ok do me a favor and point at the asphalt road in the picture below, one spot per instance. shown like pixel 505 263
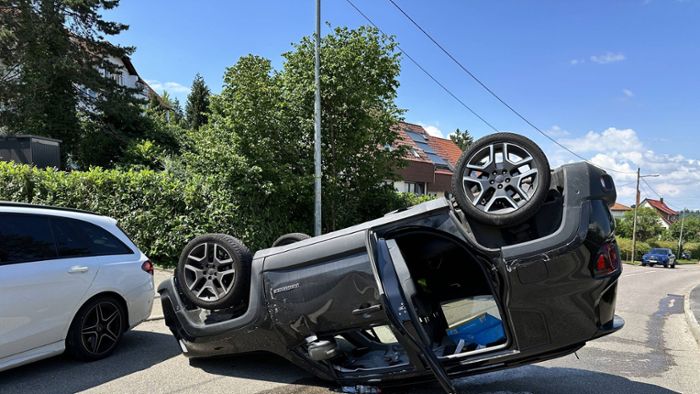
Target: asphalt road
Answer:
pixel 654 353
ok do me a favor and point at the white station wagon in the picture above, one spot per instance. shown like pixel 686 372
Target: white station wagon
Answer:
pixel 69 281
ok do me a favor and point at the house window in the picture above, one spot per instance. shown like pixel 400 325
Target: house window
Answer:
pixel 415 187
pixel 118 78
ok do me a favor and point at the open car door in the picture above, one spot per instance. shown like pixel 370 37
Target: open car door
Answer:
pixel 400 293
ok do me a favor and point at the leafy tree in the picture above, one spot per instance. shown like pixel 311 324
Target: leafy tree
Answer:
pixel 462 138
pixel 359 71
pixel 57 70
pixel 648 226
pixel 691 229
pixel 197 107
pixel 258 142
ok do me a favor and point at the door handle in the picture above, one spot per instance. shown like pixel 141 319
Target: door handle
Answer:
pixel 77 269
pixel 369 309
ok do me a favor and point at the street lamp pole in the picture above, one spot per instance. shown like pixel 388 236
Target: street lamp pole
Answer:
pixel 680 238
pixel 634 221
pixel 317 124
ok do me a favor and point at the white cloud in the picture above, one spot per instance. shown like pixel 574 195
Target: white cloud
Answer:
pixel 556 131
pixel 628 93
pixel 608 57
pixel 624 140
pixel 433 130
pixel 622 150
pixel 574 62
pixel 170 87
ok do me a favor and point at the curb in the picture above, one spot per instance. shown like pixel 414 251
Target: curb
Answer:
pixel 690 316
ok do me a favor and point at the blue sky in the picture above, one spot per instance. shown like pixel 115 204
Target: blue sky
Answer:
pixel 617 81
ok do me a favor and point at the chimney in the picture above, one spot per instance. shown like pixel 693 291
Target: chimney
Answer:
pixel 661 199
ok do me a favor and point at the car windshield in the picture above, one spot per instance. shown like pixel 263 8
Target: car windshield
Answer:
pixel 660 251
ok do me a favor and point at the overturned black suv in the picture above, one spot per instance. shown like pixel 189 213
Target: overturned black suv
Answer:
pixel 519 266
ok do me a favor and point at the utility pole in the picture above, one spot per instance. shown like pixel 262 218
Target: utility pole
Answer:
pixel 680 238
pixel 317 124
pixel 636 206
pixel 634 222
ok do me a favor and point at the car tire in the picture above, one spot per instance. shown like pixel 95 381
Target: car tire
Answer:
pixel 288 239
pixel 673 265
pixel 214 271
pixel 644 264
pixel 96 329
pixel 666 265
pixel 493 192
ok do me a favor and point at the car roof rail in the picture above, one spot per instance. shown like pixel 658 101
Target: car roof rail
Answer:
pixel 39 206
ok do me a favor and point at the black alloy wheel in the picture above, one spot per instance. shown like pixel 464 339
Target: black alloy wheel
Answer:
pixel 96 329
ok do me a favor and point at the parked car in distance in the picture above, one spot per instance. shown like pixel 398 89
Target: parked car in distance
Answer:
pixel 69 281
pixel 662 256
pixel 686 255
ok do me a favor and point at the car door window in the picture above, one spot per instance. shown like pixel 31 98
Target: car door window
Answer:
pixel 76 238
pixel 25 238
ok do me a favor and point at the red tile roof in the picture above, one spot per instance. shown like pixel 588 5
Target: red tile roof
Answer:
pixel 620 207
pixel 661 206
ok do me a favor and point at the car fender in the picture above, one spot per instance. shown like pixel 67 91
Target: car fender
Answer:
pixel 128 281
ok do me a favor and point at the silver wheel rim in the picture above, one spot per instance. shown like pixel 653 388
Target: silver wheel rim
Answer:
pixel 500 178
pixel 209 272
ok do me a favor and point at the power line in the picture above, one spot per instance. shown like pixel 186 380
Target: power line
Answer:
pixel 414 61
pixel 490 91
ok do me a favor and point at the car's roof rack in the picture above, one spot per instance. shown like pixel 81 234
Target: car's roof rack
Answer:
pixel 28 205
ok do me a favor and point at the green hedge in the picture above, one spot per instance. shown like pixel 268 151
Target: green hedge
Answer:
pixel 626 248
pixel 644 246
pixel 160 213
pixel 694 249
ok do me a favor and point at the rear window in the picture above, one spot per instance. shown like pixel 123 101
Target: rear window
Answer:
pixel 76 238
pixel 25 238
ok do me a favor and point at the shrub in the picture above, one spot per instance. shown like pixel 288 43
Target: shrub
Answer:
pixel 664 244
pixel 693 248
pixel 160 214
pixel 625 245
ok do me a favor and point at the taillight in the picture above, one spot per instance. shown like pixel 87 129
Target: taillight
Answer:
pixel 147 266
pixel 607 260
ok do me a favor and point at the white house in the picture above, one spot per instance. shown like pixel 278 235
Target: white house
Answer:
pixel 128 77
pixel 666 215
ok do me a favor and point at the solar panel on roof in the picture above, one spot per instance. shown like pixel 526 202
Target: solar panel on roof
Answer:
pixel 416 136
pixel 425 147
pixel 438 160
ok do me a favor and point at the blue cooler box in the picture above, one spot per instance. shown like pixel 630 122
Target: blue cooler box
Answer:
pixel 481 330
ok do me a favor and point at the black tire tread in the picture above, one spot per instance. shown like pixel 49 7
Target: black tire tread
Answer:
pixel 290 238
pixel 242 258
pixel 518 216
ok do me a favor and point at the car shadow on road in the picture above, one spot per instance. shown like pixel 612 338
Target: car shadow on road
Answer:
pixel 526 379
pixel 138 351
pixel 544 380
pixel 259 366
